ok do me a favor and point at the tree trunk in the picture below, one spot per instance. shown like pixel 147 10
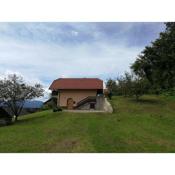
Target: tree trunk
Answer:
pixel 16 118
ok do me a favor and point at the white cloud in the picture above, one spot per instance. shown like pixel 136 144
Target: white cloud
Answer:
pixel 74 33
pixel 50 61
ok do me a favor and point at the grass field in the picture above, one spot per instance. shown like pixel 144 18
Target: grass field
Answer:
pixel 144 126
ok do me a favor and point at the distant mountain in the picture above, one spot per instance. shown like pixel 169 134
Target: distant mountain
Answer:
pixel 33 104
pixel 29 104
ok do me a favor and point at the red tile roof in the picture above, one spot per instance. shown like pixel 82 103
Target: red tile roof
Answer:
pixel 77 83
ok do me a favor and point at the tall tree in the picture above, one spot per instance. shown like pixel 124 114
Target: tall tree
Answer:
pixel 157 61
pixel 14 92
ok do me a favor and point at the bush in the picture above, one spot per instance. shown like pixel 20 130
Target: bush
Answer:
pixel 57 109
pixel 51 104
pixel 6 121
pixel 46 107
pixel 170 92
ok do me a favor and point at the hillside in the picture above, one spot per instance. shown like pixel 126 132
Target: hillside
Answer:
pixel 145 126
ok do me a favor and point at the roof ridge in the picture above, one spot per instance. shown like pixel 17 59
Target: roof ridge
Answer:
pixel 78 78
pixel 77 83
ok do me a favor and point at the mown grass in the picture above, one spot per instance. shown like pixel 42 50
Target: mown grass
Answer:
pixel 144 126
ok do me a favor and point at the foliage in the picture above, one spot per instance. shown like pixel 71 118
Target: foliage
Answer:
pixel 51 104
pixel 112 87
pixel 14 92
pixel 46 107
pixel 139 87
pixel 124 84
pixel 57 109
pixel 5 121
pixel 157 61
pixel 131 85
pixel 170 92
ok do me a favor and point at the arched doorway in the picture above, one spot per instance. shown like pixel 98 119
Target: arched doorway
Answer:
pixel 70 103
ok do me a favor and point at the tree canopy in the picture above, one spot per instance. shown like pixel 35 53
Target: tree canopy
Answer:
pixel 14 92
pixel 157 61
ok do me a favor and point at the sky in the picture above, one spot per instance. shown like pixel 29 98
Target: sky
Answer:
pixel 42 52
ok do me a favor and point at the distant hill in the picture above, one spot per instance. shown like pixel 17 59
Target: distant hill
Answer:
pixel 29 104
pixel 33 104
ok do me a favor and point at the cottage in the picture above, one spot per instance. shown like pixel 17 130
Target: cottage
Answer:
pixel 78 93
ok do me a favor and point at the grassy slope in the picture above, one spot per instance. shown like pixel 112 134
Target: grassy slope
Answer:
pixel 146 126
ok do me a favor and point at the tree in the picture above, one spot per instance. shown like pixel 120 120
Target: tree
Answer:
pixel 125 83
pixel 111 86
pixel 156 63
pixel 132 85
pixel 14 92
pixel 140 86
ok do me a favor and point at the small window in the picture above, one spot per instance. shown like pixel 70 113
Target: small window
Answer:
pixel 92 105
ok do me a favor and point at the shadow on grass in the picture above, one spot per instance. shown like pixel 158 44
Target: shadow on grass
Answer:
pixel 26 120
pixel 38 117
pixel 147 101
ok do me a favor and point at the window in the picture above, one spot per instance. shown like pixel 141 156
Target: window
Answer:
pixel 92 105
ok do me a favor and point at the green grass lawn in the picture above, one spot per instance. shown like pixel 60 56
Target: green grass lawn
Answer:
pixel 144 126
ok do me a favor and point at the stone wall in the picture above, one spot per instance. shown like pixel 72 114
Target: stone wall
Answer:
pixel 107 106
pixel 99 102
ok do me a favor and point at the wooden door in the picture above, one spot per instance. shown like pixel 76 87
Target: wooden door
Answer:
pixel 70 103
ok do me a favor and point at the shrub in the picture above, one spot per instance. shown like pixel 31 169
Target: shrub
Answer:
pixel 6 121
pixel 57 109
